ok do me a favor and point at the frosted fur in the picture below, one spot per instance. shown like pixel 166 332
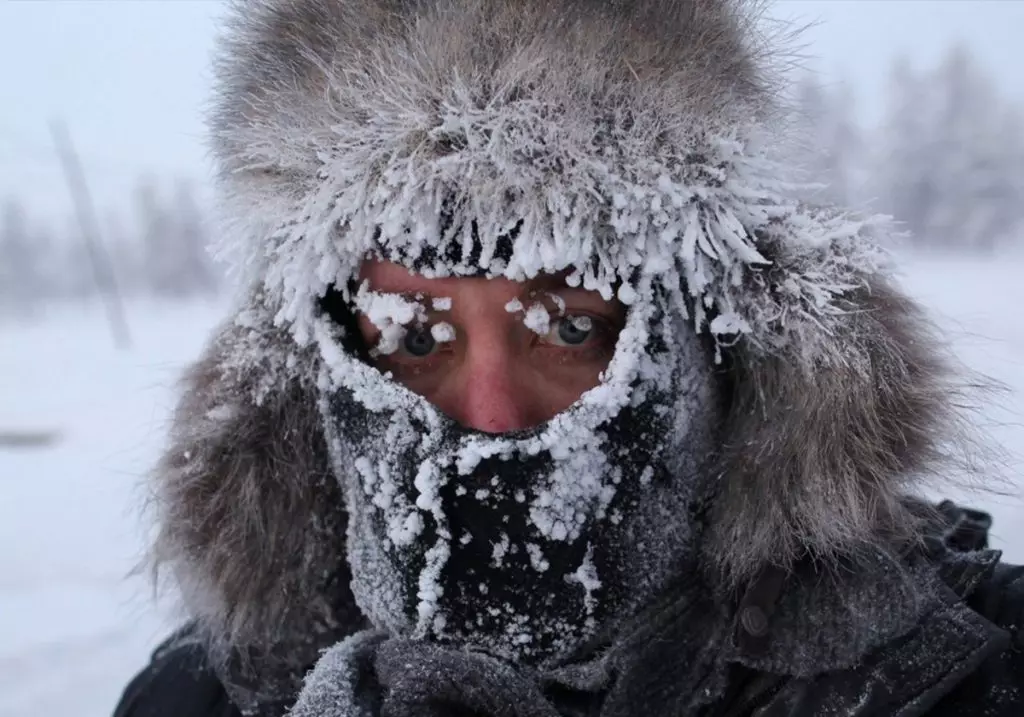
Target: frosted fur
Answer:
pixel 622 140
pixel 252 550
pixel 606 166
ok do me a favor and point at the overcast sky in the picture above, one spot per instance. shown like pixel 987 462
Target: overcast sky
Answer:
pixel 130 77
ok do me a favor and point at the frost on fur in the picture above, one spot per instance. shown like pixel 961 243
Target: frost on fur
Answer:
pixel 709 216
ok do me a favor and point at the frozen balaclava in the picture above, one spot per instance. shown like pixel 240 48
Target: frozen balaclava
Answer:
pixel 622 145
pixel 527 543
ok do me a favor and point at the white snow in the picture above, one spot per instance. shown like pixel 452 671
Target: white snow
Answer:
pixel 537 559
pixel 442 332
pixel 587 578
pixel 537 319
pixel 74 627
pixel 390 313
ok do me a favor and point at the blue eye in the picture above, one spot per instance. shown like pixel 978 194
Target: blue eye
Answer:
pixel 419 341
pixel 575 330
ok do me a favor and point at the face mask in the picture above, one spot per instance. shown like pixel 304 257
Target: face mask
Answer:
pixel 523 545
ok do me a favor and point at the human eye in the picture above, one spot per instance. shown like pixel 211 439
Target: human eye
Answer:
pixel 421 341
pixel 417 342
pixel 578 331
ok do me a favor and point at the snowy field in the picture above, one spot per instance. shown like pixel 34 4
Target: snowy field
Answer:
pixel 74 626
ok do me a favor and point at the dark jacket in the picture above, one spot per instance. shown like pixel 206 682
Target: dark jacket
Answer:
pixel 965 658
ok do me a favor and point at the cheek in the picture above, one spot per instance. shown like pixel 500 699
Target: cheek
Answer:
pixel 565 379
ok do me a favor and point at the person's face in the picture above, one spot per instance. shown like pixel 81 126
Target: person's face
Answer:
pixel 486 366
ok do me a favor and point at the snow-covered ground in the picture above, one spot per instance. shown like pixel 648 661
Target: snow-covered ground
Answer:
pixel 74 627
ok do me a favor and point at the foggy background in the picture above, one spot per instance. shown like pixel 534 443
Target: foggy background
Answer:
pixel 908 107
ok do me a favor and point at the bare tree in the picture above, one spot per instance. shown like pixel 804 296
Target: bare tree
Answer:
pixel 21 290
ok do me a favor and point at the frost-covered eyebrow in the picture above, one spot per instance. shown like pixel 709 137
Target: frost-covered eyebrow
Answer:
pixel 547 282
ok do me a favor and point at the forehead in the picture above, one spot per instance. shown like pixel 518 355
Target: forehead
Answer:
pixel 395 278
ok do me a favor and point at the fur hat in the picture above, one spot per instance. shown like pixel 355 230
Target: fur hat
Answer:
pixel 617 132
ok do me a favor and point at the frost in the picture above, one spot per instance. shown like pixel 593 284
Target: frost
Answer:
pixel 582 323
pixel 559 303
pixel 222 413
pixel 383 309
pixel 537 559
pixel 498 550
pixel 409 531
pixel 403 524
pixel 646 476
pixel 627 295
pixel 427 484
pixel 390 313
pixel 729 324
pixel 331 687
pixel 586 577
pixel 698 216
pixel 537 319
pixel 579 488
pixel 430 590
pixel 442 332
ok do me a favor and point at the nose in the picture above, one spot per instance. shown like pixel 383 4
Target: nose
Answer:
pixel 492 392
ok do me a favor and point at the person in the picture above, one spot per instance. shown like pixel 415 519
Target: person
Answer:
pixel 544 396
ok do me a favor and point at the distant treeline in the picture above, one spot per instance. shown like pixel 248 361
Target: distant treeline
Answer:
pixel 158 247
pixel 947 160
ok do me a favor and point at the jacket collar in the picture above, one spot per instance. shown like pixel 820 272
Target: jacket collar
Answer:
pixel 895 671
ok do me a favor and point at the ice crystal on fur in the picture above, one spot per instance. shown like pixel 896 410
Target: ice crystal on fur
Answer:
pixel 717 221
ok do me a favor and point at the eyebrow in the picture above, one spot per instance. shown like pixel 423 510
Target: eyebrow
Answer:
pixel 549 281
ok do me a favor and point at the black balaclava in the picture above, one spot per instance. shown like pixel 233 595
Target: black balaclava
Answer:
pixel 523 545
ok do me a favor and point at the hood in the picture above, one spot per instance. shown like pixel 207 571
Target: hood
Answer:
pixel 608 138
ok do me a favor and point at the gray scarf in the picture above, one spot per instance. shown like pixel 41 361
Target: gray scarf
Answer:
pixel 666 661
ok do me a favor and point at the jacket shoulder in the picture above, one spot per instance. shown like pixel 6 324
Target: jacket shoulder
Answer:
pixel 1000 599
pixel 997 593
pixel 996 687
pixel 177 681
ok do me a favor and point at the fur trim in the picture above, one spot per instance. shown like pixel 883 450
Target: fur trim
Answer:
pixel 820 464
pixel 604 135
pixel 821 444
pixel 250 519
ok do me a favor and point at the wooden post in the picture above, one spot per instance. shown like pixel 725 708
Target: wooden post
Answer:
pixel 102 270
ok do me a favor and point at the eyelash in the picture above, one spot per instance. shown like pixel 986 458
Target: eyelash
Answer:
pixel 603 342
